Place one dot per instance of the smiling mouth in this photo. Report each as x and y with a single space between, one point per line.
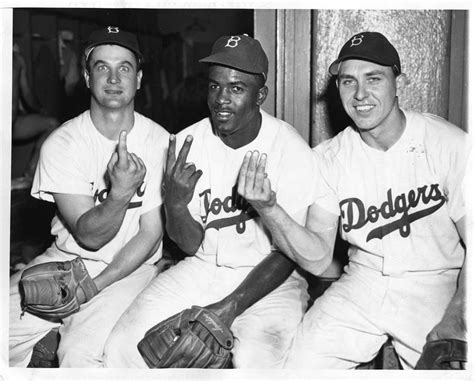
364 108
222 115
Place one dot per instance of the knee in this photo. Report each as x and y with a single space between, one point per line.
262 350
77 355
121 352
115 346
52 123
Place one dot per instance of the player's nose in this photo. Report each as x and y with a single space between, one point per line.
222 96
114 77
361 92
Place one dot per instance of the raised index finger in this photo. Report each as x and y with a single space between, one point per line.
183 154
243 173
122 148
171 156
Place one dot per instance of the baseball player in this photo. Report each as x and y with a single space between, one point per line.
103 170
392 181
29 121
231 264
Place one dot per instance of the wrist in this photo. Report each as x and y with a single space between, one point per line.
227 310
267 211
456 306
100 282
175 207
119 197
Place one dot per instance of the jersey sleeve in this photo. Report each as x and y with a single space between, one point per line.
60 169
456 177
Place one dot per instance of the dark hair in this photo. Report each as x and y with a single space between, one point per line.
261 80
396 71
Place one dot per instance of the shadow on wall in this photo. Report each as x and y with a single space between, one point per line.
337 116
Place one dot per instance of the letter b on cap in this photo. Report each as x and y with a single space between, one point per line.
232 42
357 40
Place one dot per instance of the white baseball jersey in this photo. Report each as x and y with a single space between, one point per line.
234 234
398 208
74 161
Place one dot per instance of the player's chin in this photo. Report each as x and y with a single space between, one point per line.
115 103
221 126
364 122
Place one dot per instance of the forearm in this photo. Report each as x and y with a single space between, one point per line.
459 298
99 225
457 304
140 248
263 279
453 324
183 229
312 250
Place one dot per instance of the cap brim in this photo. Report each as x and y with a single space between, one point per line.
89 48
334 67
223 59
220 59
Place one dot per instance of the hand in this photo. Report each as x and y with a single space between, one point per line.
126 171
254 185
225 310
180 177
452 326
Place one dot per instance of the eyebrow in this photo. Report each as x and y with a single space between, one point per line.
368 74
106 63
238 83
374 72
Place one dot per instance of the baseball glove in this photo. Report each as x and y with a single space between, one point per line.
55 290
438 354
193 338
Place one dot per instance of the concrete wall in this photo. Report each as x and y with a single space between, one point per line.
422 38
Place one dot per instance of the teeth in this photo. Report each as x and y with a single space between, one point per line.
223 113
364 108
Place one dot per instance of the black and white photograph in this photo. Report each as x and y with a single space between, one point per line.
236 190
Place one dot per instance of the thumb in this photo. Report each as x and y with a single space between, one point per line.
113 160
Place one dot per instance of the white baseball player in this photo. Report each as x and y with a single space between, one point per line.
103 169
392 181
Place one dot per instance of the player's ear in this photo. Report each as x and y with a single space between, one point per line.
401 82
86 78
262 95
139 79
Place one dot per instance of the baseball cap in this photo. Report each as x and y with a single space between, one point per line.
368 46
112 35
239 52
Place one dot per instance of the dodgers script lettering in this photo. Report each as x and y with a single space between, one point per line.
229 204
356 215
